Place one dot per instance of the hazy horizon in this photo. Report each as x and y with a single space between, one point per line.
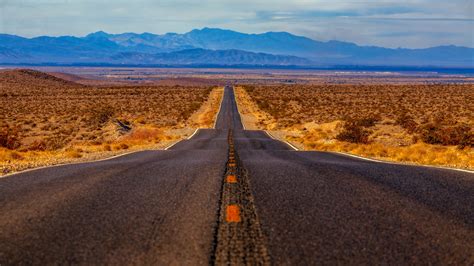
118 33
408 24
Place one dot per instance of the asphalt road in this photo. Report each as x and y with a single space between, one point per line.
282 207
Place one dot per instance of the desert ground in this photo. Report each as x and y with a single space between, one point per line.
221 76
46 119
230 194
424 123
53 115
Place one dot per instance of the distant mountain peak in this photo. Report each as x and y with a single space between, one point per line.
98 34
141 48
207 30
212 29
201 56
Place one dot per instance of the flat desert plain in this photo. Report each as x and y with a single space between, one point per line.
416 123
53 115
46 119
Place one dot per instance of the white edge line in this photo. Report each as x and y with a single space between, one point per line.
176 142
360 157
91 161
405 164
284 141
71 163
220 106
379 161
192 135
172 144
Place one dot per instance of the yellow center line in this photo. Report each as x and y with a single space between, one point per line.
232 214
231 179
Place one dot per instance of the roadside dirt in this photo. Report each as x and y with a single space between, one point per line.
206 115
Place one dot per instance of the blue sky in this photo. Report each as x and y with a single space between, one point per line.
413 23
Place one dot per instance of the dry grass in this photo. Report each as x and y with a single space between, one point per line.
47 120
207 114
424 124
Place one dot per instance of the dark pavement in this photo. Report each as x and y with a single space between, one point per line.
169 207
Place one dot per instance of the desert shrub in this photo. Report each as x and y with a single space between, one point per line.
195 105
263 104
434 133
9 138
368 121
73 154
38 145
123 146
55 143
144 134
96 142
407 122
354 133
101 115
467 141
16 156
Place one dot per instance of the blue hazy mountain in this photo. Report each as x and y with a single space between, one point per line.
218 46
212 57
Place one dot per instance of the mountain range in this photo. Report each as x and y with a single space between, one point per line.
219 47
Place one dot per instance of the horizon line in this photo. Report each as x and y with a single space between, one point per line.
224 29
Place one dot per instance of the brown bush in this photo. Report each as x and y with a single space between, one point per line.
101 115
407 122
144 134
354 133
9 138
38 145
368 121
73 154
123 146
55 143
459 135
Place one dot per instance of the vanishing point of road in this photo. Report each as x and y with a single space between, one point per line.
234 196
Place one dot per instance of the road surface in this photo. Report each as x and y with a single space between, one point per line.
228 195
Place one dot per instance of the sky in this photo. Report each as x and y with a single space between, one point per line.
402 23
